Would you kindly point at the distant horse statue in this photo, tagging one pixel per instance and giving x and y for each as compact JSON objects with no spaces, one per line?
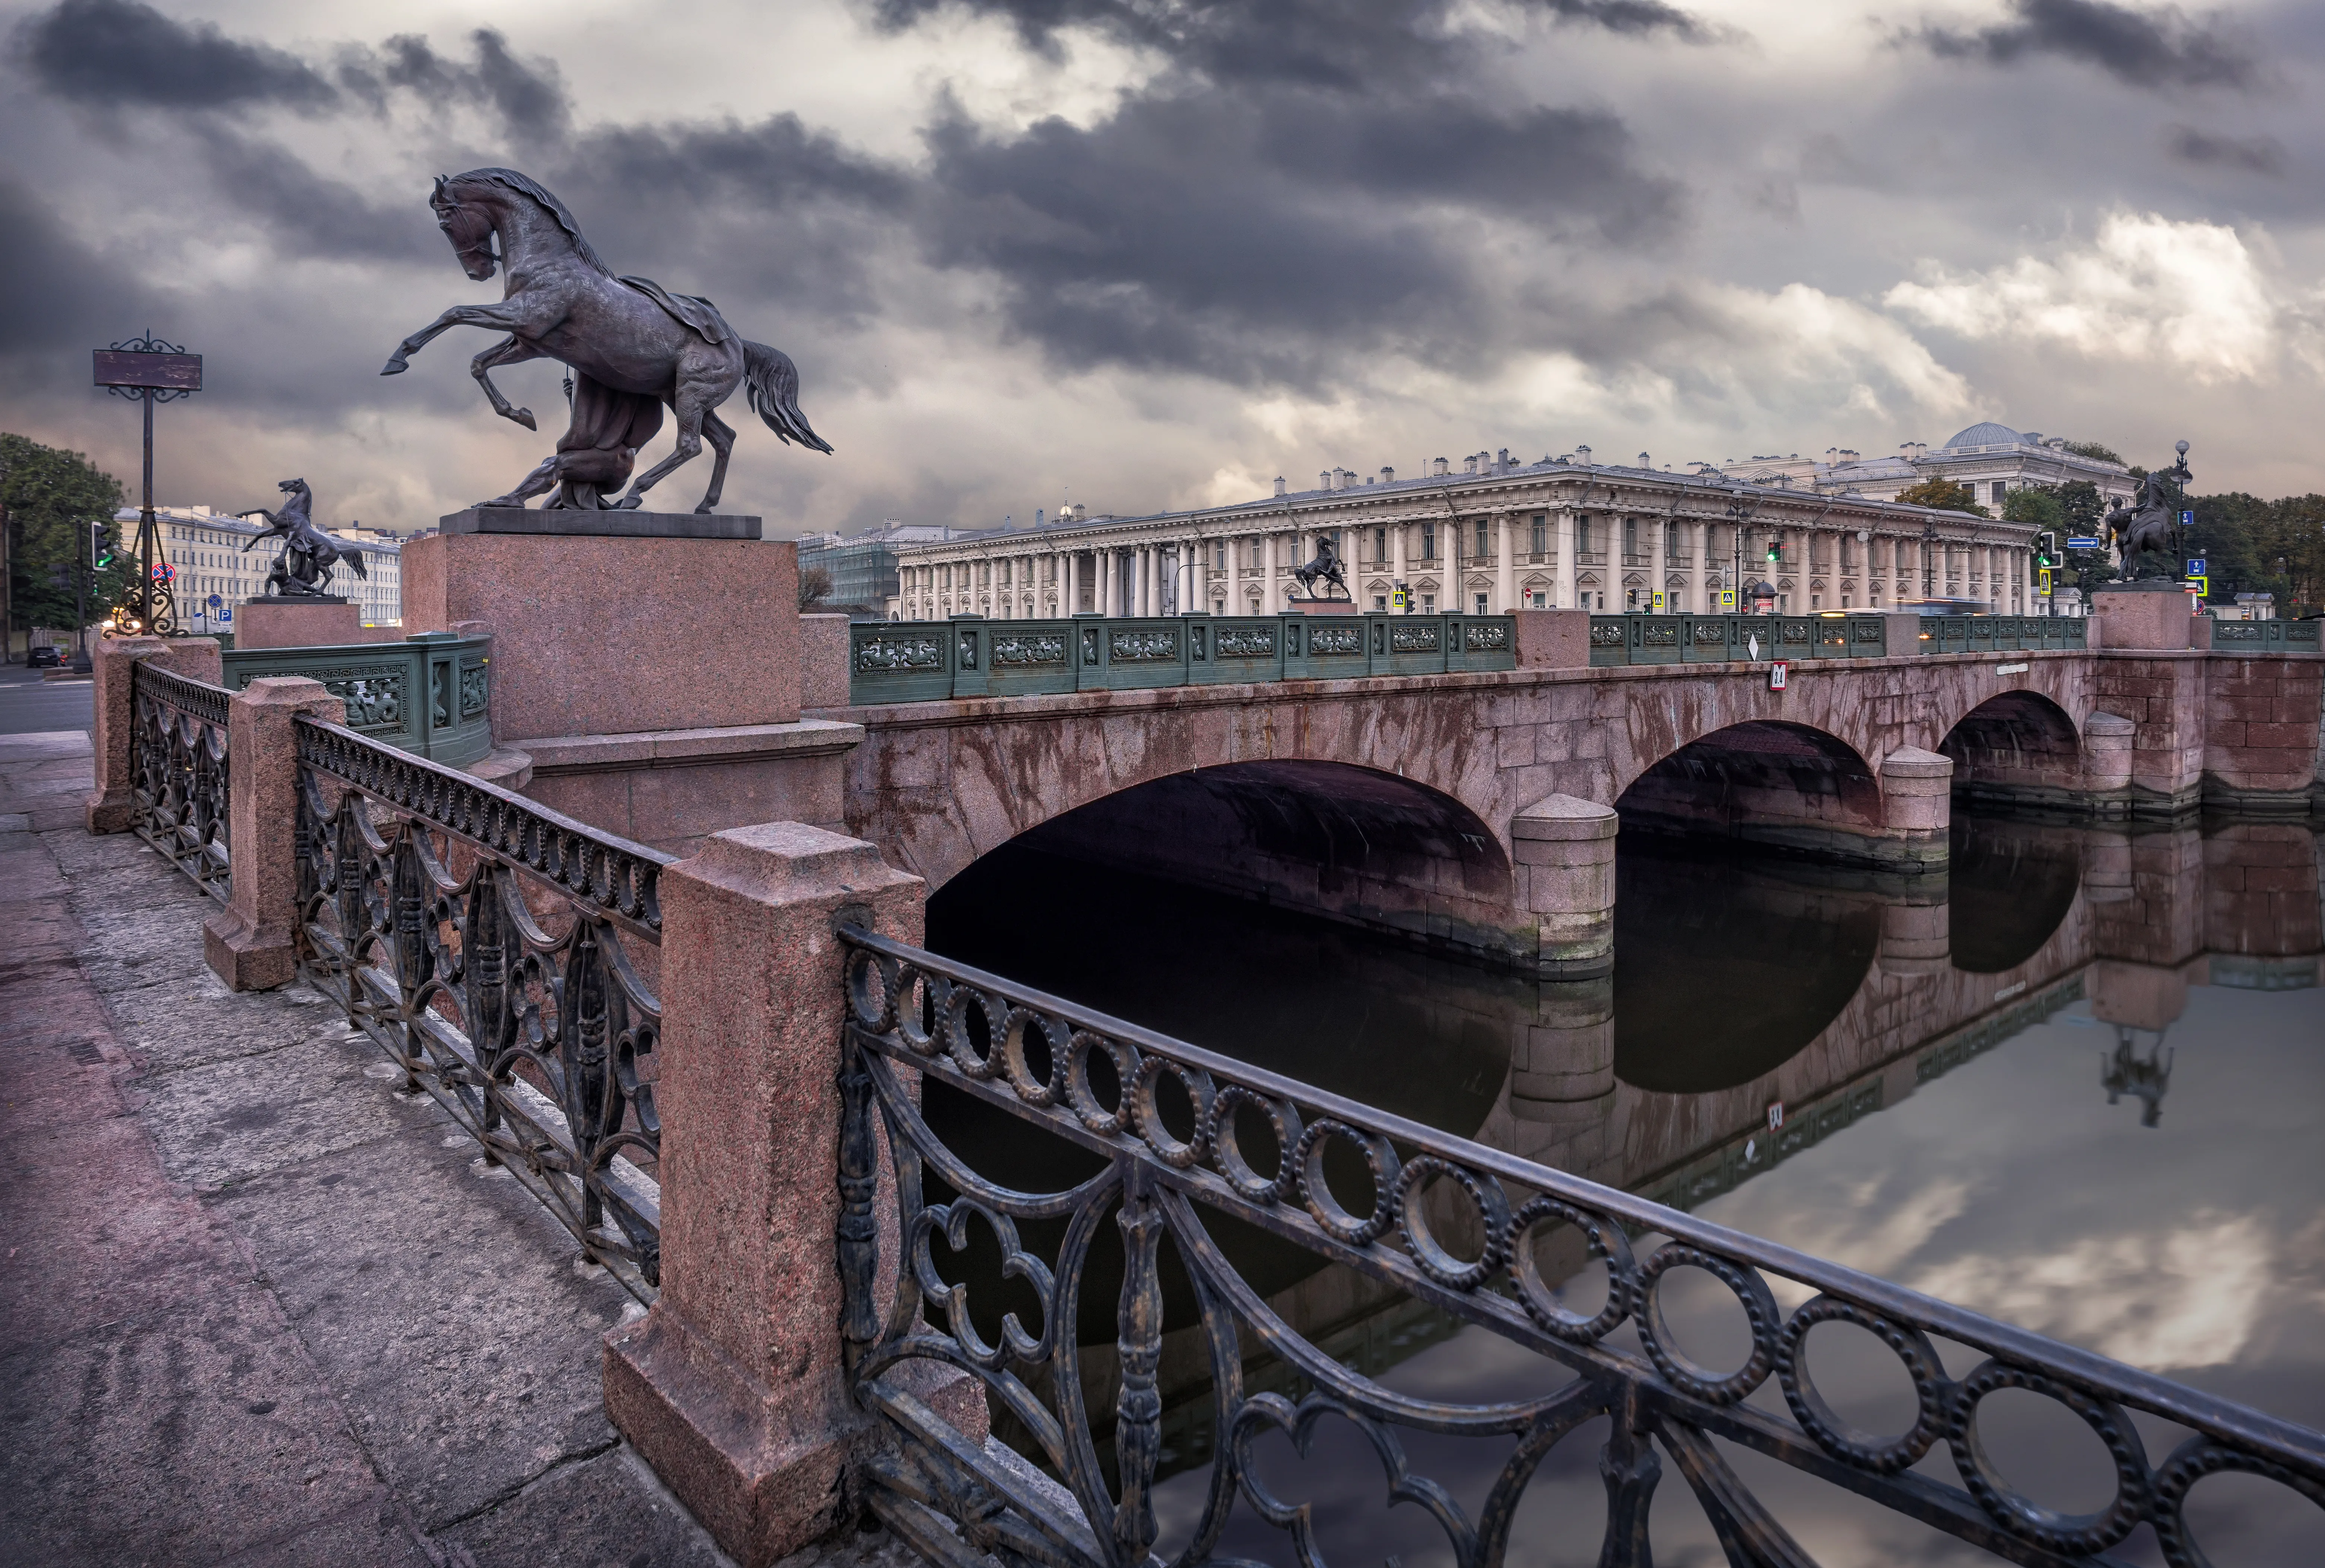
{"x":2150,"y":525}
{"x":303,"y":569}
{"x":1324,"y":568}
{"x":631,"y":346}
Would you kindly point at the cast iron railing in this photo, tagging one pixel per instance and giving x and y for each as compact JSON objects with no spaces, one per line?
{"x":179,"y":773}
{"x":2266,"y":636}
{"x":504,"y":957}
{"x":1688,"y":638}
{"x":1452,"y":1223}
{"x":431,"y":693}
{"x":928,"y":660}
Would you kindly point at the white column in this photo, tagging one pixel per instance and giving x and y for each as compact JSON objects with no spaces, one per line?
{"x":1150,"y":580}
{"x":1569,"y":595}
{"x":1397,"y":554}
{"x":1506,"y":581}
{"x":1658,"y":562}
{"x":1270,"y":601}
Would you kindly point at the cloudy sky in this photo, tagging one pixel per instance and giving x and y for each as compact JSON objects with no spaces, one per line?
{"x":1142,"y":254}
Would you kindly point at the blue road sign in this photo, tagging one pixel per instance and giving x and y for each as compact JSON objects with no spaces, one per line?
{"x":2196,"y":567}
{"x":2083,"y":544}
{"x":215,"y":600}
{"x":2187,"y":519}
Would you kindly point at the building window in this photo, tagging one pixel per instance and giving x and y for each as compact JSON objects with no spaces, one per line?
{"x":1380,"y":601}
{"x":1481,"y":604}
{"x":1428,"y":603}
{"x":1538,"y":599}
{"x":1428,"y":541}
{"x":1485,"y":543}
{"x":1380,"y":546}
{"x":1541,"y":534}
{"x":1583,"y":536}
{"x":1998,"y":489}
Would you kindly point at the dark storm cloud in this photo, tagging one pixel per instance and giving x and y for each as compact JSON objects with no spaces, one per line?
{"x":120,"y":54}
{"x":2248,"y":154}
{"x":527,"y":96}
{"x":2157,"y":48}
{"x":1305,"y":186}
{"x":311,"y":213}
{"x":1339,"y":42}
{"x":61,"y":295}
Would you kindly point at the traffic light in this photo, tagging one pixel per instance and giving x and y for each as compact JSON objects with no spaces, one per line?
{"x":2046,"y":548}
{"x":1776,"y":552}
{"x":100,"y":546}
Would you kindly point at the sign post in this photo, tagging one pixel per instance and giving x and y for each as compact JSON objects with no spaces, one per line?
{"x":152,"y":372}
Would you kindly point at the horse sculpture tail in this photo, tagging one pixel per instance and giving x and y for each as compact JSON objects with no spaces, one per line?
{"x":774,"y":381}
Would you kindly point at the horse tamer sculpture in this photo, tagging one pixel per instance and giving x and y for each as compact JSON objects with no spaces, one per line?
{"x":2150,"y":525}
{"x":631,"y":346}
{"x":303,"y":569}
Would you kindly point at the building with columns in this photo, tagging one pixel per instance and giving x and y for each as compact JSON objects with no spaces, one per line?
{"x":1992,"y":459}
{"x":1563,"y":533}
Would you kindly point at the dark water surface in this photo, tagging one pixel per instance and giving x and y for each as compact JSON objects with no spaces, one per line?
{"x":2075,"y":1084}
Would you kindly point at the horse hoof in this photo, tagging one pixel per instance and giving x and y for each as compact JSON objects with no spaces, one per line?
{"x":524,"y":417}
{"x":394,"y":368}
{"x":628,"y":503}
{"x":704,"y":510}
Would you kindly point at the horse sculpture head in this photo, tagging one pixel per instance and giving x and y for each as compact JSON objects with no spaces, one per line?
{"x":469,"y":225}
{"x":291,"y":486}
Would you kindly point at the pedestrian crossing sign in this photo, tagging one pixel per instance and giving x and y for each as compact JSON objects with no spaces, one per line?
{"x":1728,"y":600}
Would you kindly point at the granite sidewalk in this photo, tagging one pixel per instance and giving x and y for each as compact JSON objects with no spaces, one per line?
{"x":256,"y":1307}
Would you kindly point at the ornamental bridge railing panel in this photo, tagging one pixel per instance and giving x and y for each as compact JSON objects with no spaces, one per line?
{"x":181,"y":773}
{"x":1686,"y":638}
{"x":1175,"y":1137}
{"x":933,"y":660}
{"x":2265,"y":636}
{"x":430,"y":694}
{"x":505,"y":958}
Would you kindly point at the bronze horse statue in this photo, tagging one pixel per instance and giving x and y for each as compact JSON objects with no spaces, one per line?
{"x":1325,"y":568}
{"x":303,"y":569}
{"x":2150,"y":523}
{"x":631,"y":346}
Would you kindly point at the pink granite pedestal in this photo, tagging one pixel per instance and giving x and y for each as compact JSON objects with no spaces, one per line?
{"x":248,"y":944}
{"x":114,"y":660}
{"x":2149,"y":616}
{"x":304,"y":623}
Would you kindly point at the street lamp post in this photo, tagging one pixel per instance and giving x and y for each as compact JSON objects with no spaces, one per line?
{"x":151,"y":372}
{"x":1740,"y":512}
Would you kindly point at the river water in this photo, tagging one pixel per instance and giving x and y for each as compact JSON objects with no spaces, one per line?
{"x":2075,"y":1084}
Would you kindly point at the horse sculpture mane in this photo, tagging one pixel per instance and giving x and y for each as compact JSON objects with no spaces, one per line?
{"x":525,"y":185}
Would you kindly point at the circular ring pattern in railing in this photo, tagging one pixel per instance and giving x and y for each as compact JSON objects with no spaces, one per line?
{"x":2190,"y":1462}
{"x":917,"y":990}
{"x":1932,"y":1391}
{"x":1435,"y":1258}
{"x":1083,"y":1098}
{"x":2072,"y":1534}
{"x":1759,"y":1313}
{"x":1146,"y":1110}
{"x":1226,"y":1147}
{"x":1316,"y":1193}
{"x":871,"y":981}
{"x":963,"y":1049}
{"x":1019,"y":1067}
{"x":1606,"y":1243}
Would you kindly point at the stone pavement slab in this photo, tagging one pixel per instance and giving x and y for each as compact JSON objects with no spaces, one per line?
{"x":257,"y":1307}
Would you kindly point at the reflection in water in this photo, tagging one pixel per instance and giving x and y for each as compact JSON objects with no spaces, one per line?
{"x":1728,"y":963}
{"x":1998,"y":1176}
{"x":2012,"y":882}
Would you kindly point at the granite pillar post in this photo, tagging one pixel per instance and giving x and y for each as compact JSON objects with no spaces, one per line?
{"x":1917,"y":803}
{"x":248,"y":944}
{"x":114,"y":715}
{"x":2107,"y":740}
{"x":1564,"y":848}
{"x":731,"y":1387}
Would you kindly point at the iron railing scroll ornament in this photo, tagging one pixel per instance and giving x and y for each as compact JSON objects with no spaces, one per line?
{"x":179,"y":774}
{"x":504,"y":957}
{"x":914,"y":1016}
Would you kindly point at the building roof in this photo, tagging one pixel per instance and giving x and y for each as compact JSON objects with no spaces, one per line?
{"x":1986,"y":433}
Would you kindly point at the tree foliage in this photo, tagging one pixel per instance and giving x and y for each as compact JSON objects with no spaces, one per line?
{"x":48,"y":498}
{"x":2093,"y":449}
{"x":2251,"y":546}
{"x":1943,"y":496}
{"x":814,"y":586}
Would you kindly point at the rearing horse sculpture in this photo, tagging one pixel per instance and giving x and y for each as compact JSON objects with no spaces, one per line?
{"x":631,"y":346}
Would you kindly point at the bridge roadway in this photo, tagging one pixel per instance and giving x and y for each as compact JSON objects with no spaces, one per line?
{"x":1475,"y":811}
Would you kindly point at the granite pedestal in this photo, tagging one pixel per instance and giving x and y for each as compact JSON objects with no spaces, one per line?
{"x":647,"y":664}
{"x":2148,"y":616}
{"x":304,"y":623}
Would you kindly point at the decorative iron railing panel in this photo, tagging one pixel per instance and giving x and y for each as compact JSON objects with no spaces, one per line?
{"x":2265,"y":636}
{"x":932,"y":660}
{"x":1452,"y":1223}
{"x":1643,"y":639}
{"x":505,"y":958}
{"x":429,"y":693}
{"x":179,"y":773}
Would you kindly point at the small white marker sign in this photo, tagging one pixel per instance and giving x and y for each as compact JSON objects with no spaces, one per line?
{"x":1778,"y":673}
{"x":1775,"y":1116}
{"x":2010,"y":669}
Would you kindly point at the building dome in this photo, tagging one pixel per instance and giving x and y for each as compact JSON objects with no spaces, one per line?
{"x":1986,"y":433}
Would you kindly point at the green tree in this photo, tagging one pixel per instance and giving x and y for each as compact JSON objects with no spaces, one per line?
{"x":2036,"y":505}
{"x":47,"y":499}
{"x":2094,"y":450}
{"x":2081,"y":499}
{"x":2251,"y":546}
{"x":1944,"y":495}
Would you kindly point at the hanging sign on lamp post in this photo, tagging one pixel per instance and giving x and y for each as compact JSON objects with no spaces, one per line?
{"x":151,"y":372}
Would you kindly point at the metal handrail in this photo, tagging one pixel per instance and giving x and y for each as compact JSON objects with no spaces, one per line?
{"x":915,"y":1010}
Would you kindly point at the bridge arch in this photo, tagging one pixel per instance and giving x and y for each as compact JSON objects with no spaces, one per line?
{"x":2018,"y":746}
{"x":1358,"y":844}
{"x":1767,"y":781}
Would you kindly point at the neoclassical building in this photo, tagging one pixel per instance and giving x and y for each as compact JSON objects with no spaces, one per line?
{"x":1992,"y":459}
{"x":1561,"y":533}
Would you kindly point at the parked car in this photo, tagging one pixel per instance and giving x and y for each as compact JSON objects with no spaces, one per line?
{"x":46,"y":658}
